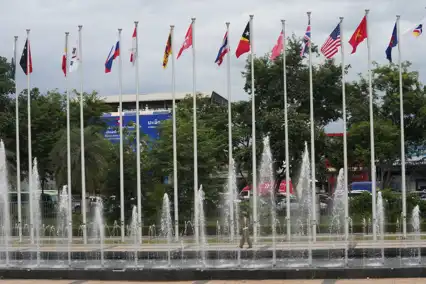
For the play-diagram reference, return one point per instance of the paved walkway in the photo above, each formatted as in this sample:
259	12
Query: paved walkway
357	281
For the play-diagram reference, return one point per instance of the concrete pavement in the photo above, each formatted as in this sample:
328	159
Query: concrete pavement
355	281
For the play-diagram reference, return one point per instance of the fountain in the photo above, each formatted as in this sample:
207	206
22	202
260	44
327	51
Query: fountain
266	179
98	229
202	244
166	225
63	219
381	224
35	192
338	213
134	233
229	204
4	202
415	223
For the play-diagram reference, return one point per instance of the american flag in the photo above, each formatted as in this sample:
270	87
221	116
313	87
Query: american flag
332	44
306	40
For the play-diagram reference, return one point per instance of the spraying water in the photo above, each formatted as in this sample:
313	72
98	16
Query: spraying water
267	179
134	232
230	214
35	192
4	201
166	225
304	197
98	227
62	221
381	223
202	224
415	223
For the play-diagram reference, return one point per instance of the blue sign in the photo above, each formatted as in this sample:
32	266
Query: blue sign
148	125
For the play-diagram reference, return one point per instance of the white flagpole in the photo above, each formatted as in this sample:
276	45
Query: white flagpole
69	185
313	178
401	111
18	150
82	147
287	159
138	139
194	98
175	179
230	154
345	139
372	161
120	87
253	135
30	155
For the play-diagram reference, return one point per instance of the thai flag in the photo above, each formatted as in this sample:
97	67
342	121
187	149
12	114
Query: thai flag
111	56
223	50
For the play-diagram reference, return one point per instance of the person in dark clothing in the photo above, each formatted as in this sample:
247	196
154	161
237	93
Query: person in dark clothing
245	233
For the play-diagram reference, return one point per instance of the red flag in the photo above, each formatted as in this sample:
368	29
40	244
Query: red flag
278	47
134	50
187	43
244	44
359	35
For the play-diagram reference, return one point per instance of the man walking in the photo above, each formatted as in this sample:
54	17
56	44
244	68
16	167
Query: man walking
245	234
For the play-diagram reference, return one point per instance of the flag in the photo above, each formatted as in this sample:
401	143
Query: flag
133	51
244	44
392	43
359	35
276	50
64	61
306	40
187	42
332	44
167	51
223	50
26	62
417	31
75	59
112	56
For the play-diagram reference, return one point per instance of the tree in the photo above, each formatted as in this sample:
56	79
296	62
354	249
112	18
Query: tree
269	103
98	152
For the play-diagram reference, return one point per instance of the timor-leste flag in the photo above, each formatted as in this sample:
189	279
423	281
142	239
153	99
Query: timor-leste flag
244	44
167	51
359	35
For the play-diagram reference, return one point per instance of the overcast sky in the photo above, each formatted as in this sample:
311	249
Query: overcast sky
49	19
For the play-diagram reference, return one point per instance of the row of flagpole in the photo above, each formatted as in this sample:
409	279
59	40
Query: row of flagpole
247	38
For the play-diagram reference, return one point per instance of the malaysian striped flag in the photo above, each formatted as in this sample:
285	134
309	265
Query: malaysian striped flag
332	44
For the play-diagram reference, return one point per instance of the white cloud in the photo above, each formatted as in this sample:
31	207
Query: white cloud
49	19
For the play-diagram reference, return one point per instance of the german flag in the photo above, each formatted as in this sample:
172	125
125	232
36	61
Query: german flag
244	44
167	51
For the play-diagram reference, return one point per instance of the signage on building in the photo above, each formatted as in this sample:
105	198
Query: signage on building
149	124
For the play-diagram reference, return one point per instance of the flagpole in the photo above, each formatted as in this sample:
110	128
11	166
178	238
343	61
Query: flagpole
30	157
287	162
82	147
230	154
120	87
175	179
345	140
194	98
18	150
253	130
401	113
312	122
69	185
138	140
372	161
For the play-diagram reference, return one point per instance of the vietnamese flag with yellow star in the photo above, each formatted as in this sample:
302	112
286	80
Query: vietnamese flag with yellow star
359	35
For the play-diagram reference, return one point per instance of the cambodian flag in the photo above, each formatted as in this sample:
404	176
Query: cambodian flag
223	50
111	56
